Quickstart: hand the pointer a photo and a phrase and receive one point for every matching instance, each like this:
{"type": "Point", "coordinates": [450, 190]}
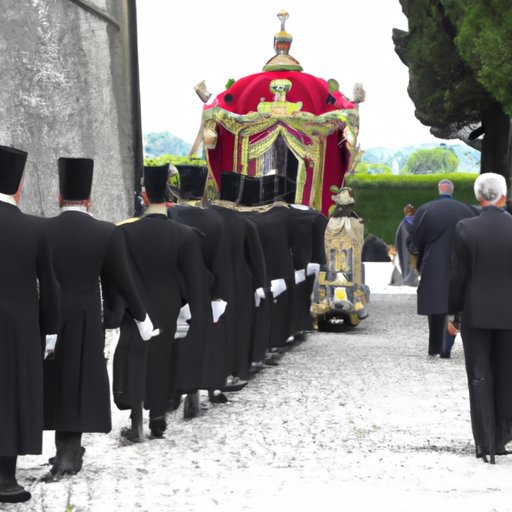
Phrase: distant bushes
{"type": "Point", "coordinates": [175, 160]}
{"type": "Point", "coordinates": [380, 199]}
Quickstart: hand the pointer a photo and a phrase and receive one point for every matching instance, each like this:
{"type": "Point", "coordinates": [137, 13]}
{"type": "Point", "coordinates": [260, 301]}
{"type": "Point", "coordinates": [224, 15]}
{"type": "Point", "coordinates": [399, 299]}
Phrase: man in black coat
{"type": "Point", "coordinates": [481, 288]}
{"type": "Point", "coordinates": [91, 264]}
{"type": "Point", "coordinates": [215, 247]}
{"type": "Point", "coordinates": [170, 271]}
{"type": "Point", "coordinates": [431, 239]}
{"type": "Point", "coordinates": [275, 241]}
{"type": "Point", "coordinates": [307, 232]}
{"type": "Point", "coordinates": [25, 313]}
{"type": "Point", "coordinates": [245, 262]}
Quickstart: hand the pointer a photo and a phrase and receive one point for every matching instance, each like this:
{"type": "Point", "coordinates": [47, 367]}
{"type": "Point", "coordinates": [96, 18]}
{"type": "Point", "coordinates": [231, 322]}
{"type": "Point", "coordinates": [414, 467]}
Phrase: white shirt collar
{"type": "Point", "coordinates": [159, 209]}
{"type": "Point", "coordinates": [76, 208]}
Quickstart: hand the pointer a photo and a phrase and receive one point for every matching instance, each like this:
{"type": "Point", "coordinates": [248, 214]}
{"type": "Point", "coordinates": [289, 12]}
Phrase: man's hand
{"type": "Point", "coordinates": [258, 295]}
{"type": "Point", "coordinates": [277, 286]}
{"type": "Point", "coordinates": [147, 329]}
{"type": "Point", "coordinates": [111, 339]}
{"type": "Point", "coordinates": [300, 276]}
{"type": "Point", "coordinates": [452, 330]}
{"type": "Point", "coordinates": [218, 308]}
{"type": "Point", "coordinates": [49, 349]}
{"type": "Point", "coordinates": [182, 325]}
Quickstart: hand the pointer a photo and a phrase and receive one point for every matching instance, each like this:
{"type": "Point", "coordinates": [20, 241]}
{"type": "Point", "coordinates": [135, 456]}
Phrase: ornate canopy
{"type": "Point", "coordinates": [286, 122]}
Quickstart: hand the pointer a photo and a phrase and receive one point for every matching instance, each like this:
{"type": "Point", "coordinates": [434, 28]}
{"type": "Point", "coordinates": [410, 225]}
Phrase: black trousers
{"type": "Point", "coordinates": [488, 356]}
{"type": "Point", "coordinates": [437, 325]}
{"type": "Point", "coordinates": [8, 469]}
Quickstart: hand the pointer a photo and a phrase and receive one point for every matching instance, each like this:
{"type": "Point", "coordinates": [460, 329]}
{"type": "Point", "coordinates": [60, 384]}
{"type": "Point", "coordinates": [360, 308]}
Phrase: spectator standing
{"type": "Point", "coordinates": [481, 289]}
{"type": "Point", "coordinates": [431, 239]}
{"type": "Point", "coordinates": [406, 260]}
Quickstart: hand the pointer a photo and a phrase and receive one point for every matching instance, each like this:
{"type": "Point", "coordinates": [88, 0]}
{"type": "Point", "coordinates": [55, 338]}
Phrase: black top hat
{"type": "Point", "coordinates": [75, 178]}
{"type": "Point", "coordinates": [155, 182]}
{"type": "Point", "coordinates": [12, 163]}
{"type": "Point", "coordinates": [192, 181]}
{"type": "Point", "coordinates": [251, 190]}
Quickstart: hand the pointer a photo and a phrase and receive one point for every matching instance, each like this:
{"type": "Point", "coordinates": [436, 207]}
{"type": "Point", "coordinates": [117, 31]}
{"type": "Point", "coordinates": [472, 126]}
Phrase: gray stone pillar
{"type": "Point", "coordinates": [66, 91]}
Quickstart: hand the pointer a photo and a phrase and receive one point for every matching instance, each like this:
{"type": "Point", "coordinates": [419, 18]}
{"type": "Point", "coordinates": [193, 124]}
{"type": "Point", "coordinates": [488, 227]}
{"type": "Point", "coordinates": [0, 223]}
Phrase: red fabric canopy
{"type": "Point", "coordinates": [243, 98]}
{"type": "Point", "coordinates": [246, 93]}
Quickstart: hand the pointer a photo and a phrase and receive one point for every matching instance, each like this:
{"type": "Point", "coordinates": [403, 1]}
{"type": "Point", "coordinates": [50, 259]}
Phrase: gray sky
{"type": "Point", "coordinates": [182, 43]}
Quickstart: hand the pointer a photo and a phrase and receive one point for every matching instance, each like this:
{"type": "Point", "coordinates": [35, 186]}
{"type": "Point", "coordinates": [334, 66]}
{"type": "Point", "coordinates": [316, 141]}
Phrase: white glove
{"type": "Point", "coordinates": [218, 308]}
{"type": "Point", "coordinates": [313, 268]}
{"type": "Point", "coordinates": [258, 295]}
{"type": "Point", "coordinates": [277, 286]}
{"type": "Point", "coordinates": [300, 275]}
{"type": "Point", "coordinates": [182, 325]}
{"type": "Point", "coordinates": [51, 341]}
{"type": "Point", "coordinates": [111, 339]}
{"type": "Point", "coordinates": [147, 329]}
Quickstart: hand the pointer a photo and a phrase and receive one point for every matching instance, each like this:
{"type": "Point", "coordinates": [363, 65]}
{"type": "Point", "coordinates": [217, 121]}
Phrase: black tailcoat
{"type": "Point", "coordinates": [89, 256]}
{"type": "Point", "coordinates": [307, 230]}
{"type": "Point", "coordinates": [25, 267]}
{"type": "Point", "coordinates": [247, 265]}
{"type": "Point", "coordinates": [170, 272]}
{"type": "Point", "coordinates": [215, 249]}
{"type": "Point", "coordinates": [275, 241]}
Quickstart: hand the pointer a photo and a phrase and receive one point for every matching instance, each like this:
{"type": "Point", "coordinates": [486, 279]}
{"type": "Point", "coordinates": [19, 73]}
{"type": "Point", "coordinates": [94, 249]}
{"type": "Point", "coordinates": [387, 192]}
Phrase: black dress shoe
{"type": "Point", "coordinates": [220, 398]}
{"type": "Point", "coordinates": [445, 355]}
{"type": "Point", "coordinates": [272, 359]}
{"type": "Point", "coordinates": [131, 434]}
{"type": "Point", "coordinates": [14, 494]}
{"type": "Point", "coordinates": [191, 405]}
{"type": "Point", "coordinates": [235, 385]}
{"type": "Point", "coordinates": [279, 350]}
{"type": "Point", "coordinates": [481, 454]}
{"type": "Point", "coordinates": [256, 367]}
{"type": "Point", "coordinates": [68, 462]}
{"type": "Point", "coordinates": [501, 450]}
{"type": "Point", "coordinates": [174, 403]}
{"type": "Point", "coordinates": [157, 426]}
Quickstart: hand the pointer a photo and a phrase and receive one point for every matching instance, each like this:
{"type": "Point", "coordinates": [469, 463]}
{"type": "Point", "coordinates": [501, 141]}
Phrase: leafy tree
{"type": "Point", "coordinates": [484, 40]}
{"type": "Point", "coordinates": [447, 50]}
{"type": "Point", "coordinates": [162, 143]}
{"type": "Point", "coordinates": [435, 160]}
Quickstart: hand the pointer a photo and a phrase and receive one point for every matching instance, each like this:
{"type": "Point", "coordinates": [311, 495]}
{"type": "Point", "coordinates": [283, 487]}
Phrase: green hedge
{"type": "Point", "coordinates": [380, 199]}
{"type": "Point", "coordinates": [175, 160]}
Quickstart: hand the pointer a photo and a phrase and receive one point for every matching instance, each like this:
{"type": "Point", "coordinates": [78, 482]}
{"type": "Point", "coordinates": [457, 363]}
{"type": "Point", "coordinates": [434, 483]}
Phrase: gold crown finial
{"type": "Point", "coordinates": [283, 16]}
{"type": "Point", "coordinates": [282, 41]}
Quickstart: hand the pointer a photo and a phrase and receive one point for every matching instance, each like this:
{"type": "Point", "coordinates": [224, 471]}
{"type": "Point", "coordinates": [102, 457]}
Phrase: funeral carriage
{"type": "Point", "coordinates": [283, 135]}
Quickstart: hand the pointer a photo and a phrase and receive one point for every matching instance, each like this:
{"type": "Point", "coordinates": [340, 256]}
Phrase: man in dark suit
{"type": "Point", "coordinates": [27, 309]}
{"type": "Point", "coordinates": [481, 288]}
{"type": "Point", "coordinates": [90, 263]}
{"type": "Point", "coordinates": [431, 238]}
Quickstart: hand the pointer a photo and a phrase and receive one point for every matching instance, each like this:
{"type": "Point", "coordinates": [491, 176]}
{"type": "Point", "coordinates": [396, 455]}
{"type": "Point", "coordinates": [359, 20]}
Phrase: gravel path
{"type": "Point", "coordinates": [361, 420]}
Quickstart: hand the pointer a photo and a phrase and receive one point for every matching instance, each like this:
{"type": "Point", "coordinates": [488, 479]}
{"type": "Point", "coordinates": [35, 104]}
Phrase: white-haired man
{"type": "Point", "coordinates": [481, 288]}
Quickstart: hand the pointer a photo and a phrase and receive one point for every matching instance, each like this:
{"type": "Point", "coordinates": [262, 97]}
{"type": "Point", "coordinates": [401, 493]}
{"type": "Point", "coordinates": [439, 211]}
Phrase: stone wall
{"type": "Point", "coordinates": [65, 90]}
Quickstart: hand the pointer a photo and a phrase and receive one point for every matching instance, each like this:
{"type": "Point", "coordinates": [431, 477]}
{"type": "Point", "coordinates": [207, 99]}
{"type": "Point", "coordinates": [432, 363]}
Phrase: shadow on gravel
{"type": "Point", "coordinates": [459, 450]}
